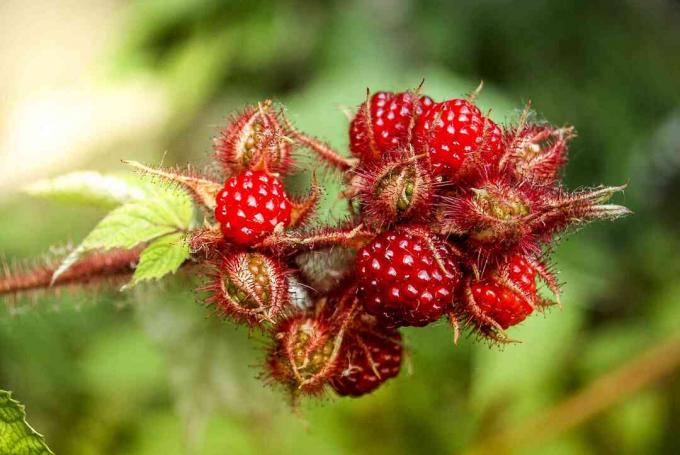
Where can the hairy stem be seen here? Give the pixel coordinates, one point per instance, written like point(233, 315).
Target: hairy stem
point(96, 266)
point(323, 150)
point(352, 238)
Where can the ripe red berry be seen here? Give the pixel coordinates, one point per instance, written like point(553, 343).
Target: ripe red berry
point(386, 127)
point(453, 132)
point(407, 277)
point(250, 206)
point(371, 355)
point(508, 300)
point(249, 287)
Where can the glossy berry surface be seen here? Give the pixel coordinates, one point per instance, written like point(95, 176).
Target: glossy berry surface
point(452, 131)
point(522, 274)
point(402, 282)
point(250, 206)
point(387, 128)
point(369, 359)
point(500, 302)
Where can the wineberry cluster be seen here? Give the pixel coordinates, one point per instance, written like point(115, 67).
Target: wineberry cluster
point(450, 215)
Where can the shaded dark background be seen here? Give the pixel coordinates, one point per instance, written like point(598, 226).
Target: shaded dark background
point(90, 83)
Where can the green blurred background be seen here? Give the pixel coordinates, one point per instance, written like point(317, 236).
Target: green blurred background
point(86, 84)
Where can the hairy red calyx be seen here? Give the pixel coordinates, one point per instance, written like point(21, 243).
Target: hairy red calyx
point(254, 138)
point(305, 354)
point(249, 287)
point(497, 216)
point(307, 347)
point(535, 153)
point(394, 191)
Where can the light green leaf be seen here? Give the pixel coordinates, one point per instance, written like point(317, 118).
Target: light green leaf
point(163, 211)
point(89, 188)
point(16, 435)
point(165, 255)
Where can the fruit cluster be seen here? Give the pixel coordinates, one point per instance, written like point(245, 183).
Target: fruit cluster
point(449, 215)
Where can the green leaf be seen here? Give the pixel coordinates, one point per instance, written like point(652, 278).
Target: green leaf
point(165, 255)
point(88, 188)
point(16, 435)
point(163, 211)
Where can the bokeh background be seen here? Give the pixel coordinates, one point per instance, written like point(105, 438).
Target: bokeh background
point(88, 83)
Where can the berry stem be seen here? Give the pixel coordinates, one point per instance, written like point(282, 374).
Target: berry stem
point(455, 325)
point(352, 238)
point(323, 150)
point(99, 265)
point(303, 209)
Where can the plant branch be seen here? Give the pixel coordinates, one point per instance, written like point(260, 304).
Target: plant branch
point(91, 268)
point(351, 238)
point(320, 148)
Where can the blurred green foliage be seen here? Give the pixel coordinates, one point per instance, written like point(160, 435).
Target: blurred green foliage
point(148, 372)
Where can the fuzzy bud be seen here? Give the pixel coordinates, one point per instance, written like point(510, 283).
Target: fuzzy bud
point(491, 217)
point(250, 288)
point(502, 208)
point(499, 215)
point(536, 152)
point(304, 354)
point(252, 139)
point(324, 270)
point(395, 191)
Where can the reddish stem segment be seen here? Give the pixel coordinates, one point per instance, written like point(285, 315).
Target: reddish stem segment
point(99, 265)
point(352, 238)
point(322, 149)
